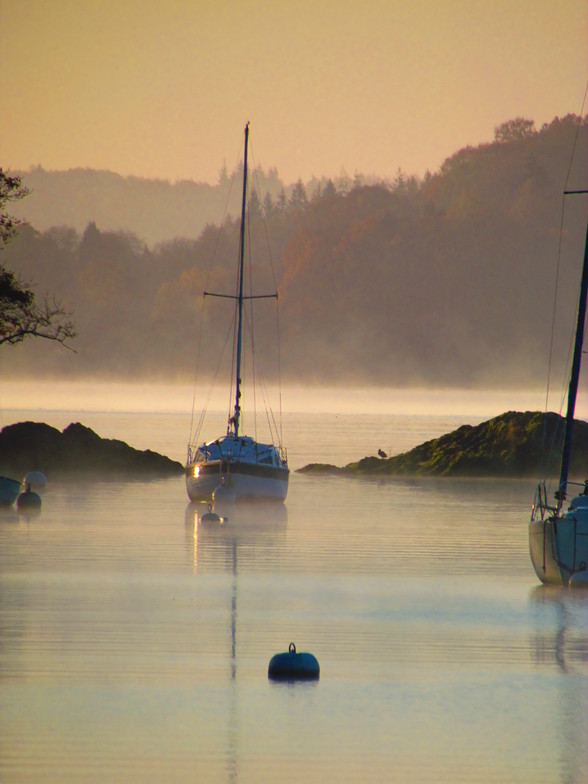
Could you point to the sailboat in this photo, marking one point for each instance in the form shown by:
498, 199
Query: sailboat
238, 463
558, 537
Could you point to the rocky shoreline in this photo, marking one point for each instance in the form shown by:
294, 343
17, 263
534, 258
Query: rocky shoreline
77, 450
510, 445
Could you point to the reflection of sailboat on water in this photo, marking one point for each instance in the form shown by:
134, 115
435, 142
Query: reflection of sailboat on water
564, 640
246, 530
560, 644
247, 540
558, 539
249, 468
245, 536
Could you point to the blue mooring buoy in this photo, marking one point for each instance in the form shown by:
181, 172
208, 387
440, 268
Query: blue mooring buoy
28, 500
292, 666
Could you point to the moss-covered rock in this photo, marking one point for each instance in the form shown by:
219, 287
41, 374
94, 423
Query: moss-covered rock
513, 444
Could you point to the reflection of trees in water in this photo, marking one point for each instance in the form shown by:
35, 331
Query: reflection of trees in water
561, 639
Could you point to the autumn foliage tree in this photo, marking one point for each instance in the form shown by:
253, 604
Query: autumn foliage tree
514, 130
21, 316
445, 281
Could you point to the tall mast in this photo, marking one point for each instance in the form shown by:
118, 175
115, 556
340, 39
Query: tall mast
237, 413
575, 375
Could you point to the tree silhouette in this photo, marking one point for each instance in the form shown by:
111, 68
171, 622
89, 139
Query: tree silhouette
268, 205
298, 199
20, 315
514, 130
254, 205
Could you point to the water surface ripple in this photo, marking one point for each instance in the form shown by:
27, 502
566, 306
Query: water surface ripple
135, 639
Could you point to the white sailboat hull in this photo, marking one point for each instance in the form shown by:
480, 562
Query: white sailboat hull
240, 463
559, 547
246, 480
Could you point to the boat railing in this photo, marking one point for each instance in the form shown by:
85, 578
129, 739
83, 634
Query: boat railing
540, 507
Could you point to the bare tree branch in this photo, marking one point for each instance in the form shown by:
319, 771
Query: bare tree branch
20, 315
49, 321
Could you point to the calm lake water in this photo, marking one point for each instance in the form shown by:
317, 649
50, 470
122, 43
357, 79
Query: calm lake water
134, 640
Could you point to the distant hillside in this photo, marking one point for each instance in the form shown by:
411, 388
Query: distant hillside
510, 445
153, 210
446, 281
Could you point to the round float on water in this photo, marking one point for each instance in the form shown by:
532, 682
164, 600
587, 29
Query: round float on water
293, 666
224, 494
210, 516
35, 480
28, 500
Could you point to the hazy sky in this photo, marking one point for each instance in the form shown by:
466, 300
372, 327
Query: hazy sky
163, 89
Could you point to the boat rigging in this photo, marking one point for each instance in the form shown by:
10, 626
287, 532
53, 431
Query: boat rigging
238, 462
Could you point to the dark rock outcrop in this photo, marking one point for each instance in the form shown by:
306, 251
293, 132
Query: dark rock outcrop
35, 446
513, 444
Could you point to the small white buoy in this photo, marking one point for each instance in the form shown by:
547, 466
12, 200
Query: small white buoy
36, 480
224, 494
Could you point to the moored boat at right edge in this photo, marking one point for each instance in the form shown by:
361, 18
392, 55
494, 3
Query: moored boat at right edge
558, 538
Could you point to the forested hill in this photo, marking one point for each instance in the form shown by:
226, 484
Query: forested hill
448, 280
154, 210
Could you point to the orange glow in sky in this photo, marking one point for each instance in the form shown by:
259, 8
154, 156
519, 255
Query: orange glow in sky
164, 89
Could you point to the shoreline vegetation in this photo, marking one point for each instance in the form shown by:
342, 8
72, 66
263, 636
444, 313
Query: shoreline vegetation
513, 444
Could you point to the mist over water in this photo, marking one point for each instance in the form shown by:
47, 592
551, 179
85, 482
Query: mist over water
136, 639
177, 398
356, 422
